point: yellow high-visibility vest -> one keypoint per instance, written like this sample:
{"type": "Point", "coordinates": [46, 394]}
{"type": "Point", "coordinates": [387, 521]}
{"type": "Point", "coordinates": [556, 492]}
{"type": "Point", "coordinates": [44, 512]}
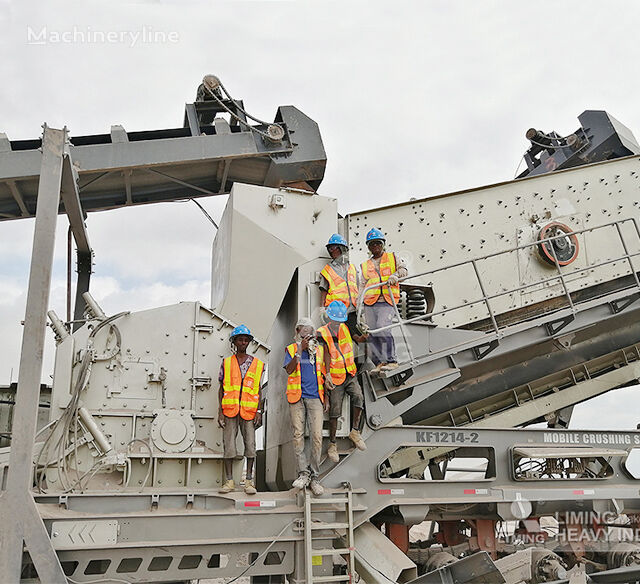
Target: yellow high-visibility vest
{"type": "Point", "coordinates": [372, 276]}
{"type": "Point", "coordinates": [294, 382]}
{"type": "Point", "coordinates": [345, 291]}
{"type": "Point", "coordinates": [241, 396]}
{"type": "Point", "coordinates": [341, 356]}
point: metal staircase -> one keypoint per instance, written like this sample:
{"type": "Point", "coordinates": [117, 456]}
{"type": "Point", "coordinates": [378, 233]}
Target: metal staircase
{"type": "Point", "coordinates": [340, 506]}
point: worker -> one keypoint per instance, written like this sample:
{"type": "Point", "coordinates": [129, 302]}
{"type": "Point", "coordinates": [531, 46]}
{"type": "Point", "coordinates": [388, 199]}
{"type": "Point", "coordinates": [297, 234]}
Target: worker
{"type": "Point", "coordinates": [339, 281]}
{"type": "Point", "coordinates": [305, 364]}
{"type": "Point", "coordinates": [379, 311]}
{"type": "Point", "coordinates": [241, 406]}
{"type": "Point", "coordinates": [342, 370]}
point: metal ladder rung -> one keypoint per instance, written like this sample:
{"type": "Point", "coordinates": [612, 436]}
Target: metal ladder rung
{"type": "Point", "coordinates": [329, 501]}
{"type": "Point", "coordinates": [332, 579]}
{"type": "Point", "coordinates": [328, 525]}
{"type": "Point", "coordinates": [325, 552]}
{"type": "Point", "coordinates": [344, 505]}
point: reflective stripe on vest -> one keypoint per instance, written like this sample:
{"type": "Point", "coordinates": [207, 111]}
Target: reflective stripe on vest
{"type": "Point", "coordinates": [372, 276]}
{"type": "Point", "coordinates": [338, 288]}
{"type": "Point", "coordinates": [341, 356]}
{"type": "Point", "coordinates": [241, 396]}
{"type": "Point", "coordinates": [294, 382]}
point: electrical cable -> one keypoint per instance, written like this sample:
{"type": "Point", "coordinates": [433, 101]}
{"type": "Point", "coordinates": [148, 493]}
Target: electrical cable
{"type": "Point", "coordinates": [206, 213]}
{"type": "Point", "coordinates": [70, 580]}
{"type": "Point", "coordinates": [518, 167]}
{"type": "Point", "coordinates": [146, 477]}
{"type": "Point", "coordinates": [70, 414]}
{"type": "Point", "coordinates": [235, 116]}
{"type": "Point", "coordinates": [264, 552]}
{"type": "Point", "coordinates": [549, 146]}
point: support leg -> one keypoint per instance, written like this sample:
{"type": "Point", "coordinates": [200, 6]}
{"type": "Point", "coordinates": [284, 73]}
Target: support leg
{"type": "Point", "coordinates": [17, 504]}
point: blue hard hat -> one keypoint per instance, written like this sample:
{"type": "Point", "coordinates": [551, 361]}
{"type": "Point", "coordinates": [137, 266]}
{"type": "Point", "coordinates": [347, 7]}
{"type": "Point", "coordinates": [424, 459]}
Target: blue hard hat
{"type": "Point", "coordinates": [337, 239]}
{"type": "Point", "coordinates": [337, 311]}
{"type": "Point", "coordinates": [240, 330]}
{"type": "Point", "coordinates": [375, 234]}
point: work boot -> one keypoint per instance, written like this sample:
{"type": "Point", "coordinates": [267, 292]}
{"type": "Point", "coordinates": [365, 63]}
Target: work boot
{"type": "Point", "coordinates": [332, 453]}
{"type": "Point", "coordinates": [356, 439]}
{"type": "Point", "coordinates": [249, 487]}
{"type": "Point", "coordinates": [316, 488]}
{"type": "Point", "coordinates": [389, 366]}
{"type": "Point", "coordinates": [227, 486]}
{"type": "Point", "coordinates": [301, 482]}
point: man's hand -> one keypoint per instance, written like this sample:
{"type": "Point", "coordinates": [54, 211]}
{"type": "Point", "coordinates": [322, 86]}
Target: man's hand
{"type": "Point", "coordinates": [328, 384]}
{"type": "Point", "coordinates": [393, 280]}
{"type": "Point", "coordinates": [221, 421]}
{"type": "Point", "coordinates": [257, 421]}
{"type": "Point", "coordinates": [304, 344]}
{"type": "Point", "coordinates": [327, 403]}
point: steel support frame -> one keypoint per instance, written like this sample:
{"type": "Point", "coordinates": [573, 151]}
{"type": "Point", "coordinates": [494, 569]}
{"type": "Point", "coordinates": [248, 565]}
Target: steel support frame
{"type": "Point", "coordinates": [502, 489]}
{"type": "Point", "coordinates": [71, 198]}
{"type": "Point", "coordinates": [529, 411]}
{"type": "Point", "coordinates": [21, 521]}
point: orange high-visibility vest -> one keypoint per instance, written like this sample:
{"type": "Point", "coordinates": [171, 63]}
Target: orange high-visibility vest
{"type": "Point", "coordinates": [294, 382]}
{"type": "Point", "coordinates": [340, 289]}
{"type": "Point", "coordinates": [372, 276]}
{"type": "Point", "coordinates": [341, 356]}
{"type": "Point", "coordinates": [241, 396]}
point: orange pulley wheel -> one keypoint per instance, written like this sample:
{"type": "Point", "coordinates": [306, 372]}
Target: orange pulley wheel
{"type": "Point", "coordinates": [564, 244]}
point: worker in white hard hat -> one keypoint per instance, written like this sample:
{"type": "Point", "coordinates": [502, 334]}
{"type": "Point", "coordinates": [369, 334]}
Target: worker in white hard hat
{"type": "Point", "coordinates": [241, 406]}
{"type": "Point", "coordinates": [306, 367]}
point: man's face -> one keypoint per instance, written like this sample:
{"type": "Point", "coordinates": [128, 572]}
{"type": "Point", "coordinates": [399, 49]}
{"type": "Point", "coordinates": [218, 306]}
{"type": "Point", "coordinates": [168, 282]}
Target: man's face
{"type": "Point", "coordinates": [305, 331]}
{"type": "Point", "coordinates": [334, 250]}
{"type": "Point", "coordinates": [241, 342]}
{"type": "Point", "coordinates": [376, 247]}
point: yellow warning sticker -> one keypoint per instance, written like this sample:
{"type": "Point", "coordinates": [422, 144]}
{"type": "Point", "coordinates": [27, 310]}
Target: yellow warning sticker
{"type": "Point", "coordinates": [316, 560]}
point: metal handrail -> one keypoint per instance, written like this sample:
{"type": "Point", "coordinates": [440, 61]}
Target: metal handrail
{"type": "Point", "coordinates": [560, 276]}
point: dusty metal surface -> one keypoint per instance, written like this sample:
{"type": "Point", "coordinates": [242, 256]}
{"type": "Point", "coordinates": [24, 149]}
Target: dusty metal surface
{"type": "Point", "coordinates": [126, 481]}
{"type": "Point", "coordinates": [135, 168]}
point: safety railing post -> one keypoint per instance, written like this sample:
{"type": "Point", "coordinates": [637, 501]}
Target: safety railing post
{"type": "Point", "coordinates": [560, 275]}
{"type": "Point", "coordinates": [627, 255]}
{"type": "Point", "coordinates": [485, 297]}
{"type": "Point", "coordinates": [400, 321]}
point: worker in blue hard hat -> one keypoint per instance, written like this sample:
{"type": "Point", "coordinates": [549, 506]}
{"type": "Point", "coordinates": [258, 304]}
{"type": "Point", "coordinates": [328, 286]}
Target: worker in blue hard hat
{"type": "Point", "coordinates": [339, 281]}
{"type": "Point", "coordinates": [381, 267]}
{"type": "Point", "coordinates": [241, 405]}
{"type": "Point", "coordinates": [342, 369]}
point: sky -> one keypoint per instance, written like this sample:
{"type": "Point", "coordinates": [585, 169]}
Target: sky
{"type": "Point", "coordinates": [413, 98]}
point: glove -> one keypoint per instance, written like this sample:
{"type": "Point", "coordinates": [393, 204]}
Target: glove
{"type": "Point", "coordinates": [393, 280]}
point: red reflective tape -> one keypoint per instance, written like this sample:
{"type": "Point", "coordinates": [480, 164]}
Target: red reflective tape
{"type": "Point", "coordinates": [384, 492]}
{"type": "Point", "coordinates": [470, 492]}
{"type": "Point", "coordinates": [578, 492]}
{"type": "Point", "coordinates": [252, 504]}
